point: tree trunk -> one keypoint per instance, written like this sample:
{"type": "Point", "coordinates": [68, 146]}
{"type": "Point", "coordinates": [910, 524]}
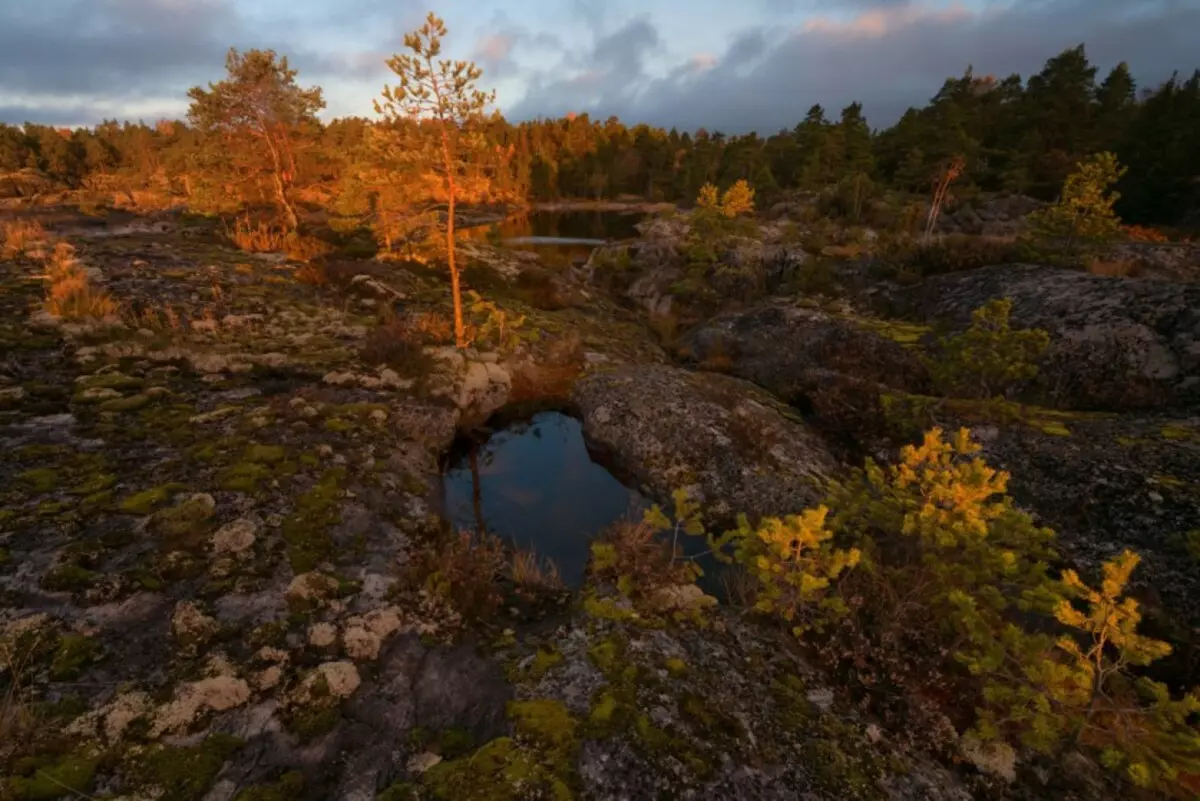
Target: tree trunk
{"type": "Point", "coordinates": [277, 174]}
{"type": "Point", "coordinates": [460, 334]}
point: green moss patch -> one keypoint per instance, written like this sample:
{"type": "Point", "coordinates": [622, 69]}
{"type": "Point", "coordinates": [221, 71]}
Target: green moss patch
{"type": "Point", "coordinates": [182, 774]}
{"type": "Point", "coordinates": [39, 780]}
{"type": "Point", "coordinates": [306, 531]}
{"type": "Point", "coordinates": [74, 652]}
{"type": "Point", "coordinates": [287, 788]}
{"type": "Point", "coordinates": [146, 501]}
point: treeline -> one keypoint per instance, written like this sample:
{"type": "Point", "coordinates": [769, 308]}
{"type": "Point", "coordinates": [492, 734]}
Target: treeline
{"type": "Point", "coordinates": [1016, 135]}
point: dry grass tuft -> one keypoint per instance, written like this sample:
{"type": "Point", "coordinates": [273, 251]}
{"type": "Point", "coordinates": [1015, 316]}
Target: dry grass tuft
{"type": "Point", "coordinates": [18, 237]}
{"type": "Point", "coordinates": [464, 570]}
{"type": "Point", "coordinates": [266, 237]}
{"type": "Point", "coordinates": [70, 295]}
{"type": "Point", "coordinates": [532, 572]}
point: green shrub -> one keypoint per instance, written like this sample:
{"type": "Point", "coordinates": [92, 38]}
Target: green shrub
{"type": "Point", "coordinates": [990, 358]}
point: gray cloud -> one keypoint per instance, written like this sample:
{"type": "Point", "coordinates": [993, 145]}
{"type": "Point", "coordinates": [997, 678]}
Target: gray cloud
{"type": "Point", "coordinates": [75, 61]}
{"type": "Point", "coordinates": [890, 56]}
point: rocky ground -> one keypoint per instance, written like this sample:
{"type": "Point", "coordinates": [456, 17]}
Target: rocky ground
{"type": "Point", "coordinates": [218, 517]}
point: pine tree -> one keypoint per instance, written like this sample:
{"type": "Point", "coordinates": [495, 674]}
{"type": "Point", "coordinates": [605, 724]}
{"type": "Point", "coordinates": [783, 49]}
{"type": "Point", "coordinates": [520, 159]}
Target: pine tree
{"type": "Point", "coordinates": [255, 119]}
{"type": "Point", "coordinates": [1084, 214]}
{"type": "Point", "coordinates": [443, 109]}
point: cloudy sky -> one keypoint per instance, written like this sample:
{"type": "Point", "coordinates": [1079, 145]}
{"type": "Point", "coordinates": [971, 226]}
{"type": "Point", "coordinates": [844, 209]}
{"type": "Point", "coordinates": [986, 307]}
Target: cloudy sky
{"type": "Point", "coordinates": [730, 65]}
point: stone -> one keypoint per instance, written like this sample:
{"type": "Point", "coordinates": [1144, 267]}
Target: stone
{"type": "Point", "coordinates": [734, 447]}
{"type": "Point", "coordinates": [1116, 343]}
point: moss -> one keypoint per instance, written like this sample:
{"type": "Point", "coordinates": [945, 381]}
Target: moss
{"type": "Point", "coordinates": [39, 479]}
{"type": "Point", "coordinates": [499, 771]}
{"type": "Point", "coordinates": [1054, 428]}
{"type": "Point", "coordinates": [68, 577]}
{"type": "Point", "coordinates": [544, 721]}
{"type": "Point", "coordinates": [546, 658]}
{"type": "Point", "coordinates": [182, 774]}
{"type": "Point", "coordinates": [244, 477]}
{"type": "Point", "coordinates": [337, 425]}
{"type": "Point", "coordinates": [184, 526]}
{"type": "Point", "coordinates": [662, 743]}
{"type": "Point", "coordinates": [603, 712]}
{"type": "Point", "coordinates": [264, 454]}
{"type": "Point", "coordinates": [713, 721]}
{"type": "Point", "coordinates": [146, 501]}
{"type": "Point", "coordinates": [1178, 433]}
{"type": "Point", "coordinates": [400, 791]}
{"type": "Point", "coordinates": [306, 530]}
{"type": "Point", "coordinates": [676, 666]}
{"type": "Point", "coordinates": [94, 484]}
{"type": "Point", "coordinates": [288, 787]}
{"type": "Point", "coordinates": [5, 556]}
{"type": "Point", "coordinates": [607, 655]}
{"type": "Point", "coordinates": [111, 381]}
{"type": "Point", "coordinates": [606, 609]}
{"type": "Point", "coordinates": [130, 404]}
{"type": "Point", "coordinates": [41, 451]}
{"type": "Point", "coordinates": [454, 742]}
{"type": "Point", "coordinates": [73, 653]}
{"type": "Point", "coordinates": [68, 775]}
{"type": "Point", "coordinates": [839, 772]}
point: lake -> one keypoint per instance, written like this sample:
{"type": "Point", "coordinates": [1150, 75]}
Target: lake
{"type": "Point", "coordinates": [569, 235]}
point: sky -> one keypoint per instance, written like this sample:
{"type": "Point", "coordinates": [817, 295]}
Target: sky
{"type": "Point", "coordinates": [727, 65]}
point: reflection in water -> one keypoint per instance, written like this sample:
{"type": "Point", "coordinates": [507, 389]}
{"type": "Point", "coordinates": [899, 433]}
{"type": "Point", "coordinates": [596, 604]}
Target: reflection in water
{"type": "Point", "coordinates": [534, 485]}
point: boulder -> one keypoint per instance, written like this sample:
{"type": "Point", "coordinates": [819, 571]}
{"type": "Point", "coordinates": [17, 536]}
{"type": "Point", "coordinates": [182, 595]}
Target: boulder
{"type": "Point", "coordinates": [729, 443]}
{"type": "Point", "coordinates": [832, 366]}
{"type": "Point", "coordinates": [1108, 482]}
{"type": "Point", "coordinates": [1116, 343]}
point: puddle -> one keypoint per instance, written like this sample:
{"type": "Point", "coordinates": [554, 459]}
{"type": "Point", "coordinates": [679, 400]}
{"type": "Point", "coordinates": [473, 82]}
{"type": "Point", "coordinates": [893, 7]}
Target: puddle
{"type": "Point", "coordinates": [534, 485]}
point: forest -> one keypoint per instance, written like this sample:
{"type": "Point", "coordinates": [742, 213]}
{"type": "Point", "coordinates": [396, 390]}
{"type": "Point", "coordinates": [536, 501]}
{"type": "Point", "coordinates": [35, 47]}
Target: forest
{"type": "Point", "coordinates": [1016, 135]}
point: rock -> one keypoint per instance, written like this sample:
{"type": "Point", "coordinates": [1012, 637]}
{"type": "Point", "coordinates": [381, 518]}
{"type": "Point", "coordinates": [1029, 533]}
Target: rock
{"type": "Point", "coordinates": [1117, 343]}
{"type": "Point", "coordinates": [735, 447]}
{"type": "Point", "coordinates": [833, 367]}
{"type": "Point", "coordinates": [484, 389]}
{"type": "Point", "coordinates": [1107, 482]}
{"type": "Point", "coordinates": [235, 537]}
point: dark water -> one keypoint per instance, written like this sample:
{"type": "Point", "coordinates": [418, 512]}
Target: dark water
{"type": "Point", "coordinates": [561, 235]}
{"type": "Point", "coordinates": [571, 225]}
{"type": "Point", "coordinates": [535, 486]}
